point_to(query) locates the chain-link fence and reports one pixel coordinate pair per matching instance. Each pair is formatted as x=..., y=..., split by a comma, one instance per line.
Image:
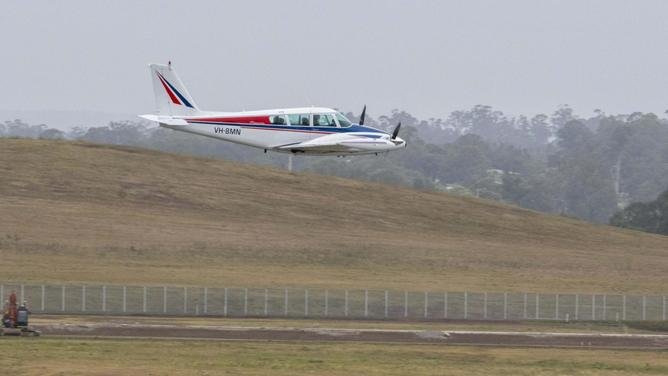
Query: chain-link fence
x=335, y=303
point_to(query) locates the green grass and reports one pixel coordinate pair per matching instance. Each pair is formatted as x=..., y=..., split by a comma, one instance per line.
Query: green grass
x=75, y=212
x=652, y=326
x=24, y=356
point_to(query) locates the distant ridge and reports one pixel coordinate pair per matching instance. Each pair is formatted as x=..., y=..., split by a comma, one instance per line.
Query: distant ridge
x=65, y=120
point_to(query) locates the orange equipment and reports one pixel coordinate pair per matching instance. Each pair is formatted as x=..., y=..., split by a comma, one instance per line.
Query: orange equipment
x=12, y=309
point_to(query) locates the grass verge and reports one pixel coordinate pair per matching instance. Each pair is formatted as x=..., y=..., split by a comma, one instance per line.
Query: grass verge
x=172, y=357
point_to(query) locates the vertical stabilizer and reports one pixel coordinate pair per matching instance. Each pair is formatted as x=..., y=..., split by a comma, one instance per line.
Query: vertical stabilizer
x=171, y=96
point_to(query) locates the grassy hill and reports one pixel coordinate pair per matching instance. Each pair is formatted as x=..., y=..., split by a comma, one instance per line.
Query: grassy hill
x=72, y=212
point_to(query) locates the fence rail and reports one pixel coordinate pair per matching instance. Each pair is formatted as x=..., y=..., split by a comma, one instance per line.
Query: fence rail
x=336, y=303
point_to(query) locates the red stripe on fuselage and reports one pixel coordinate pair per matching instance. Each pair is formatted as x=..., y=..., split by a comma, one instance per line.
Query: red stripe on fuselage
x=263, y=119
x=173, y=97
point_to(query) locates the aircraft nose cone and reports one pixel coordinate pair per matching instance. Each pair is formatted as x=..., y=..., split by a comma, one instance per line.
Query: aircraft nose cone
x=399, y=142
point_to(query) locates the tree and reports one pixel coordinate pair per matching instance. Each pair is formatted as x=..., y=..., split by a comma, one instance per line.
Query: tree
x=52, y=134
x=562, y=116
x=585, y=184
x=649, y=217
x=466, y=160
x=18, y=128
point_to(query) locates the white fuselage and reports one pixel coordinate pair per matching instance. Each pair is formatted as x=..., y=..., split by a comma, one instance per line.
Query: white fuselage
x=277, y=130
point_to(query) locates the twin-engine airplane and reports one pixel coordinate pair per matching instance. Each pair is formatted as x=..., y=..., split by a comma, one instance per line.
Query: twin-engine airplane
x=313, y=131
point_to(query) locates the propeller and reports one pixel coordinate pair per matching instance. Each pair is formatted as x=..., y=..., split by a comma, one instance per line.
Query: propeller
x=363, y=115
x=395, y=132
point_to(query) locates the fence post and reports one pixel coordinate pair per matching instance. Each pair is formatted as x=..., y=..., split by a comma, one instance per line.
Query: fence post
x=623, y=307
x=537, y=306
x=62, y=295
x=164, y=299
x=426, y=304
x=206, y=300
x=143, y=300
x=386, y=303
x=466, y=305
x=346, y=304
x=525, y=305
x=366, y=303
x=185, y=300
x=125, y=298
x=405, y=303
x=104, y=298
x=505, y=306
x=604, y=307
x=43, y=298
x=664, y=308
x=326, y=303
x=445, y=305
x=577, y=306
x=484, y=308
x=246, y=301
x=306, y=302
x=285, y=301
x=83, y=298
x=593, y=307
x=556, y=307
x=644, y=307
x=225, y=302
x=266, y=302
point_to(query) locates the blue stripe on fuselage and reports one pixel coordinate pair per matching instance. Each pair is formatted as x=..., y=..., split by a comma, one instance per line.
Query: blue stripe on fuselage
x=351, y=129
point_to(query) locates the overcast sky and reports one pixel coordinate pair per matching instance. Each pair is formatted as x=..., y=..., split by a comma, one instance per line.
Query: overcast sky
x=427, y=57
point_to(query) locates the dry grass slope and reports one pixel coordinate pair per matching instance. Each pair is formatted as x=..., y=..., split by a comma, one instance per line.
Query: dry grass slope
x=75, y=212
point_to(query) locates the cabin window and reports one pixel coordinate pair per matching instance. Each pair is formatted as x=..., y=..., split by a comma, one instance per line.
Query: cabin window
x=343, y=121
x=300, y=119
x=323, y=120
x=278, y=119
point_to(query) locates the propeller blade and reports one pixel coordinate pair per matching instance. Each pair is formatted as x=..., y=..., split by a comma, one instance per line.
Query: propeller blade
x=363, y=115
x=395, y=132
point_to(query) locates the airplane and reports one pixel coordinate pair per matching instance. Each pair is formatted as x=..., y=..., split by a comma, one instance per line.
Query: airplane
x=308, y=130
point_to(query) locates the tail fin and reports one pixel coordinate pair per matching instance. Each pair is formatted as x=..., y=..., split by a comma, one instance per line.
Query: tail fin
x=171, y=96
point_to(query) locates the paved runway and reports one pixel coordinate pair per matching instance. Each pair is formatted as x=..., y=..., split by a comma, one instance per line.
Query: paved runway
x=477, y=338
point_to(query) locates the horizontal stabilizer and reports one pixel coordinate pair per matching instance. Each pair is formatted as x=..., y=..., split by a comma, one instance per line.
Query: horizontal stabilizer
x=167, y=120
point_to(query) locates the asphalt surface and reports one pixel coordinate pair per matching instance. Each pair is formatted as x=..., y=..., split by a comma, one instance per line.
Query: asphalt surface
x=477, y=338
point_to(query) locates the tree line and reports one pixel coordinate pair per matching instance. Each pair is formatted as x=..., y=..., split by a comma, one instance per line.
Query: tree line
x=594, y=168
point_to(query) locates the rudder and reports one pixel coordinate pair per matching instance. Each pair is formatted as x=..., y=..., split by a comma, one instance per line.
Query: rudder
x=171, y=96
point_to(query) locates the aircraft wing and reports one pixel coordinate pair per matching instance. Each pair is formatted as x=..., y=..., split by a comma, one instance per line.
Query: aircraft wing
x=338, y=143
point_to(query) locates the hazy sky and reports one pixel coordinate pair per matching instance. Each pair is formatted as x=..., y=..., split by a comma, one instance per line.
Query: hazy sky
x=427, y=57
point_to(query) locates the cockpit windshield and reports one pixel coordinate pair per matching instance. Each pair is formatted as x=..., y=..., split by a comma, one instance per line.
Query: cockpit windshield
x=343, y=121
